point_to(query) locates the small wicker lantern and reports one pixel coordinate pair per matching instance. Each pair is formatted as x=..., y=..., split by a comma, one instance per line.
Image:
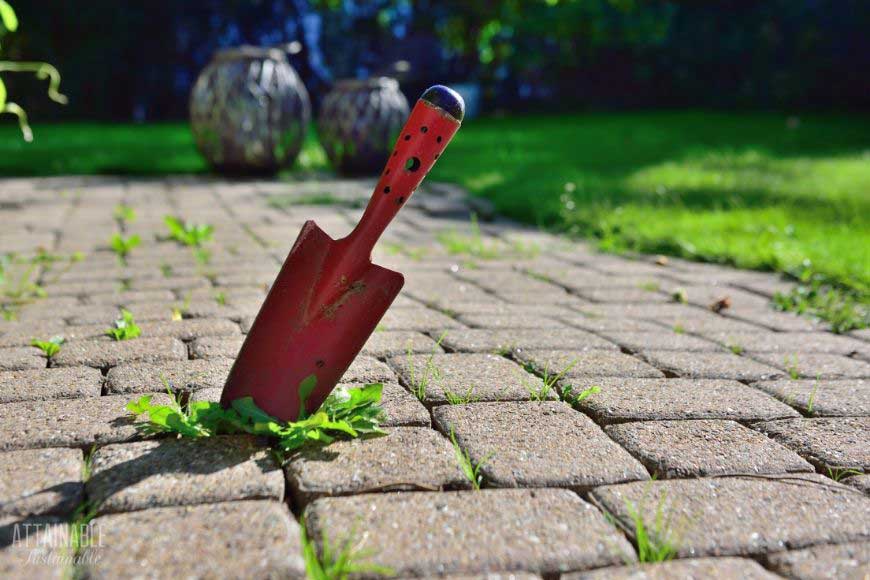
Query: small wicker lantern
x=249, y=111
x=359, y=122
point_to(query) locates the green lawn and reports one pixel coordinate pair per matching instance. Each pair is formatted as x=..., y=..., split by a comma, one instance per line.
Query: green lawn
x=748, y=189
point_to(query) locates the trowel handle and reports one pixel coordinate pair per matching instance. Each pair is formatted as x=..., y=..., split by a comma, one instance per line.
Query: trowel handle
x=433, y=122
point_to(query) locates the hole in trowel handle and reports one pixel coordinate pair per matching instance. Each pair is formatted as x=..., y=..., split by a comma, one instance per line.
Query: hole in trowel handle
x=412, y=164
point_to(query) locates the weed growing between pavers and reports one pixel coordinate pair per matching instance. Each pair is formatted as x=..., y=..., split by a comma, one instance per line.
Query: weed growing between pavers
x=470, y=469
x=350, y=412
x=125, y=327
x=811, y=402
x=81, y=533
x=736, y=349
x=461, y=399
x=194, y=236
x=125, y=214
x=179, y=312
x=551, y=382
x=843, y=309
x=123, y=246
x=542, y=393
x=791, y=366
x=655, y=544
x=840, y=473
x=420, y=384
x=49, y=347
x=19, y=288
x=337, y=565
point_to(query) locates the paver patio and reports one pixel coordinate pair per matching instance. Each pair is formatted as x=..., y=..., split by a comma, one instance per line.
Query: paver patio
x=700, y=400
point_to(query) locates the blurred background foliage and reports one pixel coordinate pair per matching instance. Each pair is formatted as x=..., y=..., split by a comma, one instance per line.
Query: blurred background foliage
x=136, y=60
x=729, y=131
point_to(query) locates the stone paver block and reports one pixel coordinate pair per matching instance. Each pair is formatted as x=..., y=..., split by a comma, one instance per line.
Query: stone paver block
x=247, y=539
x=171, y=472
x=417, y=319
x=545, y=444
x=22, y=332
x=592, y=363
x=850, y=560
x=441, y=295
x=40, y=481
x=436, y=379
x=386, y=343
x=822, y=398
x=620, y=400
x=490, y=340
x=615, y=324
x=472, y=532
x=109, y=353
x=130, y=297
x=68, y=422
x=726, y=568
x=710, y=365
x=190, y=328
x=674, y=449
x=366, y=369
x=792, y=342
x=188, y=375
x=741, y=516
x=41, y=384
x=509, y=320
x=828, y=443
x=407, y=458
x=816, y=366
x=106, y=315
x=216, y=347
x=663, y=339
x=18, y=358
x=861, y=482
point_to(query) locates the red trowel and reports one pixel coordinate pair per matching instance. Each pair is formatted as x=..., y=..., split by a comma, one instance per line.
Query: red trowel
x=328, y=296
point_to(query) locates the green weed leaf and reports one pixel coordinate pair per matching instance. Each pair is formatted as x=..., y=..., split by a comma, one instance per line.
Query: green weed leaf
x=8, y=17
